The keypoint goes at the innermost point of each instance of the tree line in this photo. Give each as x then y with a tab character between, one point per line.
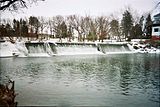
84	28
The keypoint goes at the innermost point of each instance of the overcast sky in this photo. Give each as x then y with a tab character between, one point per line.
50	8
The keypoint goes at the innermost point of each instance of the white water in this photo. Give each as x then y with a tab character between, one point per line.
48	49
77	50
23	52
114	48
39	50
38	55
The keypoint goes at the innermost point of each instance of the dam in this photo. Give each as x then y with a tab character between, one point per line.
48	49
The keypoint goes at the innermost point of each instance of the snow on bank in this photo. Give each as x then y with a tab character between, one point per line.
7	49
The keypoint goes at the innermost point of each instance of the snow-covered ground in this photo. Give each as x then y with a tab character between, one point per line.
7	49
142	48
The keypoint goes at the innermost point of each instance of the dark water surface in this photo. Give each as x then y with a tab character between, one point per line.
124	80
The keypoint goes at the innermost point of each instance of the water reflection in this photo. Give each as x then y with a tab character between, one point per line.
112	80
125	73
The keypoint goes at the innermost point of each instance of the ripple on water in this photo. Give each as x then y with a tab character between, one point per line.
112	80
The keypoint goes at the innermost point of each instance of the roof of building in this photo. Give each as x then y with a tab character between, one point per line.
157	15
156	24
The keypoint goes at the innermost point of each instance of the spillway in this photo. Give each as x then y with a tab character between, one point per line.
48	49
113	48
39	49
76	48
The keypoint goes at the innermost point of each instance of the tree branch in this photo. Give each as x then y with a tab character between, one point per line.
15	4
10	2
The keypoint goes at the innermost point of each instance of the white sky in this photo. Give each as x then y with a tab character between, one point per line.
50	8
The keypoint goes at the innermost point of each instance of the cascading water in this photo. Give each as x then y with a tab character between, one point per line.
114	48
39	49
52	48
76	49
47	49
23	52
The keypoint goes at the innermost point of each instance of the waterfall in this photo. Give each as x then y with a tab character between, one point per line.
39	49
22	49
52	47
47	49
76	49
114	48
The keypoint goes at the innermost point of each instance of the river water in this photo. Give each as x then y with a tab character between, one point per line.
114	80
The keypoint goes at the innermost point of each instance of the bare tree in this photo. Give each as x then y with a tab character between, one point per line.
90	28
54	25
50	26
58	20
70	30
77	22
82	28
15	4
42	23
103	27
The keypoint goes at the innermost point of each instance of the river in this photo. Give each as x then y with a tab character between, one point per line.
113	80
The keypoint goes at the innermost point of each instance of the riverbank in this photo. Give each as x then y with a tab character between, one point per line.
7	95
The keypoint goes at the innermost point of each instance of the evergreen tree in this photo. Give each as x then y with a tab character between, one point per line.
58	31
141	21
24	28
115	28
127	23
148	26
89	36
9	32
16	27
20	28
35	24
136	32
69	33
3	31
63	30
